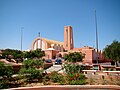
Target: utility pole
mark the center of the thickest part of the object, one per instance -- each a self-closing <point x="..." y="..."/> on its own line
<point x="96" y="35"/>
<point x="21" y="36"/>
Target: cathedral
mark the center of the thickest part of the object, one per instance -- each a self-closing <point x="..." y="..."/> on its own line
<point x="52" y="48"/>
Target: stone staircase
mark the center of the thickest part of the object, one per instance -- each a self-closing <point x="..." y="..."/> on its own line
<point x="54" y="68"/>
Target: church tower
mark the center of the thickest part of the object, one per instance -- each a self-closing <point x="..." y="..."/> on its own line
<point x="68" y="38"/>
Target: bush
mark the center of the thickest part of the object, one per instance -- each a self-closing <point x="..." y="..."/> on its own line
<point x="5" y="74"/>
<point x="74" y="57"/>
<point x="111" y="69"/>
<point x="76" y="79"/>
<point x="5" y="70"/>
<point x="73" y="68"/>
<point x="74" y="75"/>
<point x="77" y="82"/>
<point x="38" y="53"/>
<point x="32" y="63"/>
<point x="46" y="80"/>
<point x="57" y="78"/>
<point x="29" y="71"/>
<point x="106" y="69"/>
<point x="31" y="74"/>
<point x="3" y="84"/>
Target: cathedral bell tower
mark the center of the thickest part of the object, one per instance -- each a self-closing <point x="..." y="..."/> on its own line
<point x="68" y="38"/>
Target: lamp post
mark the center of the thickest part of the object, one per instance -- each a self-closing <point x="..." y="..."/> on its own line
<point x="21" y="37"/>
<point x="96" y="36"/>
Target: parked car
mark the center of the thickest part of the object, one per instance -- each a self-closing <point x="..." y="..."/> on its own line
<point x="48" y="63"/>
<point x="58" y="61"/>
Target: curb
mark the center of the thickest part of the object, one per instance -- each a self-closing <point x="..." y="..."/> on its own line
<point x="69" y="87"/>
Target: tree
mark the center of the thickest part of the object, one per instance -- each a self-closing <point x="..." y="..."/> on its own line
<point x="38" y="53"/>
<point x="12" y="54"/>
<point x="112" y="51"/>
<point x="6" y="53"/>
<point x="73" y="71"/>
<point x="26" y="54"/>
<point x="74" y="57"/>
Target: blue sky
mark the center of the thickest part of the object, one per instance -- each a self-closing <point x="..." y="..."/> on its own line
<point x="50" y="16"/>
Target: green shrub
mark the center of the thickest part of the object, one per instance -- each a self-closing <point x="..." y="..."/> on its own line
<point x="5" y="70"/>
<point x="74" y="57"/>
<point x="5" y="74"/>
<point x="38" y="53"/>
<point x="46" y="80"/>
<point x="57" y="78"/>
<point x="111" y="69"/>
<point x="76" y="79"/>
<point x="106" y="69"/>
<point x="30" y="63"/>
<point x="3" y="84"/>
<point x="31" y="73"/>
<point x="73" y="68"/>
<point x="74" y="75"/>
<point x="77" y="82"/>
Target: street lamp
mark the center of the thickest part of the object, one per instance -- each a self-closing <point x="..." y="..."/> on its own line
<point x="96" y="36"/>
<point x="21" y="36"/>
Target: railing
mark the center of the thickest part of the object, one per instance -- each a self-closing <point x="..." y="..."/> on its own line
<point x="108" y="72"/>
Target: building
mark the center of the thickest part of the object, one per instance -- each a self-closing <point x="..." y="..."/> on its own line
<point x="52" y="47"/>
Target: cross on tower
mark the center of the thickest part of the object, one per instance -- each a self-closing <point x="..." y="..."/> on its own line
<point x="39" y="34"/>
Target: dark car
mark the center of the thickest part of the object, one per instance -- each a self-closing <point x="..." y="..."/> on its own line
<point x="58" y="61"/>
<point x="48" y="61"/>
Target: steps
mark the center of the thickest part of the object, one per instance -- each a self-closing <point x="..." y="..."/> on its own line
<point x="53" y="68"/>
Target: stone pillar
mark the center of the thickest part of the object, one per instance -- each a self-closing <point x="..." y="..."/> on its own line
<point x="36" y="44"/>
<point x="46" y="45"/>
<point x="41" y="43"/>
<point x="55" y="46"/>
<point x="59" y="48"/>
